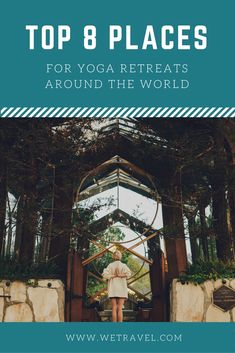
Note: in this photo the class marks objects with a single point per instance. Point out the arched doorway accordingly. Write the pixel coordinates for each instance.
(141, 306)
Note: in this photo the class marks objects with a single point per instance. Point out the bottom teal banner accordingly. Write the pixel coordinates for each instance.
(117, 337)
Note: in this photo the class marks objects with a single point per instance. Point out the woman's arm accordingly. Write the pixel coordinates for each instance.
(107, 273)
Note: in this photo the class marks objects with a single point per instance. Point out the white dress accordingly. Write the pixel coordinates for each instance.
(117, 286)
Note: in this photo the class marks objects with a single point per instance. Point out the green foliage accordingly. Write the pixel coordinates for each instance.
(209, 270)
(12, 269)
(94, 286)
(113, 234)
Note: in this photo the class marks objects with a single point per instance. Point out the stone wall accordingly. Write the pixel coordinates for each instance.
(33, 301)
(193, 303)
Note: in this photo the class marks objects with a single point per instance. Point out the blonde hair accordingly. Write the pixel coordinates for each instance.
(117, 255)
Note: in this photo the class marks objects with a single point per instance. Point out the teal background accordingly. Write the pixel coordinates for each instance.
(22, 75)
(45, 337)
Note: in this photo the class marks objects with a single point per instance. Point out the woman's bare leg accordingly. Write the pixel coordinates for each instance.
(114, 309)
(119, 309)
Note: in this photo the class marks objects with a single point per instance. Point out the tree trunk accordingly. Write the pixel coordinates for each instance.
(203, 224)
(29, 224)
(231, 199)
(19, 221)
(30, 210)
(174, 229)
(3, 198)
(43, 252)
(193, 238)
(62, 220)
(219, 202)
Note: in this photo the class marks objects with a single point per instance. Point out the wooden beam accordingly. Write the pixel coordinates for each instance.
(143, 240)
(97, 277)
(95, 256)
(136, 279)
(125, 249)
(148, 293)
(102, 247)
(136, 254)
(77, 289)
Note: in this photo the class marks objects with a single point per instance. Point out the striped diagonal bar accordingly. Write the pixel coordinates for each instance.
(117, 112)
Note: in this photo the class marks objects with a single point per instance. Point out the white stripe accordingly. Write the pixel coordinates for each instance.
(148, 112)
(21, 112)
(121, 112)
(101, 113)
(93, 114)
(182, 112)
(215, 113)
(34, 112)
(107, 114)
(60, 114)
(115, 112)
(83, 110)
(229, 113)
(86, 112)
(142, 112)
(185, 111)
(41, 112)
(14, 112)
(170, 111)
(204, 111)
(162, 112)
(223, 112)
(68, 112)
(175, 112)
(7, 112)
(209, 112)
(154, 114)
(75, 112)
(54, 112)
(135, 112)
(188, 112)
(65, 113)
(26, 113)
(128, 112)
(47, 113)
(195, 113)
(3, 110)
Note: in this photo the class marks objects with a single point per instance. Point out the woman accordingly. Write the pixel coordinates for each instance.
(117, 273)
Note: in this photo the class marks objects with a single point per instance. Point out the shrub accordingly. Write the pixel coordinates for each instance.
(203, 270)
(12, 269)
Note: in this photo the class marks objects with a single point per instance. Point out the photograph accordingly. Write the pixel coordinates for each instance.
(117, 220)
